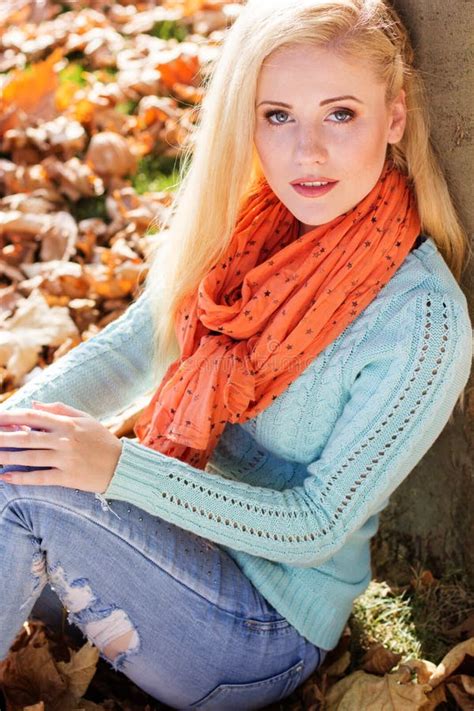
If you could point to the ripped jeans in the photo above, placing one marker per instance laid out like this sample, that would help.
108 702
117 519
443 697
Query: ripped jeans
169 609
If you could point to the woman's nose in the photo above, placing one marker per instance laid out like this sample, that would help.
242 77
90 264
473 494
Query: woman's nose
311 147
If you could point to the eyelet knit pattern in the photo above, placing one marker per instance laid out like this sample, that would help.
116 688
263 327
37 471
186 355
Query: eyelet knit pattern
337 491
294 494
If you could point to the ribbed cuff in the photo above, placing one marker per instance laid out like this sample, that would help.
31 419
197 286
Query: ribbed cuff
133 483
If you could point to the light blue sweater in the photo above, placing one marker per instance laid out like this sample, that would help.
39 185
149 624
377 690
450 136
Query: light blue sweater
294 494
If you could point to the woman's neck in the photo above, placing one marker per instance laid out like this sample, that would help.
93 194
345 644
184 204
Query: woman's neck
303 229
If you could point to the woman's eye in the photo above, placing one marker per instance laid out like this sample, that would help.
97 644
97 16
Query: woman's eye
344 113
275 112
278 117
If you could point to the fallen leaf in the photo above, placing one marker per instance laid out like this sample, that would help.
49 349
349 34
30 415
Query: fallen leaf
462 652
29 674
32 326
186 7
462 689
434 698
339 666
31 91
390 692
109 154
74 178
80 670
180 64
423 669
61 278
379 660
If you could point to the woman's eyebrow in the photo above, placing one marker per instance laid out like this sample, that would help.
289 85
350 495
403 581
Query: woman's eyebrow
322 103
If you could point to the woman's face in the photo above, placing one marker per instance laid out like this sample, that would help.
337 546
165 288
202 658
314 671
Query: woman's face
321 117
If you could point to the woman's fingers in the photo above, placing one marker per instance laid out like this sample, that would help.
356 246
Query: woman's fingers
59 408
35 478
73 443
30 458
32 418
25 438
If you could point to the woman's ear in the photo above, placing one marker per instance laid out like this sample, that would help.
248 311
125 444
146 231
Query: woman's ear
398 118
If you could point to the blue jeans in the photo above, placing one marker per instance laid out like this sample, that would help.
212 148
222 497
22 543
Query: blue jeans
169 609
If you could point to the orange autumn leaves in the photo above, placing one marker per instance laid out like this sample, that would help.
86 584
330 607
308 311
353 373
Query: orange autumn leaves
30 91
74 230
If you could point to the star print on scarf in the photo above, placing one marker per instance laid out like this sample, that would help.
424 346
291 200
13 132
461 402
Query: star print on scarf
273 302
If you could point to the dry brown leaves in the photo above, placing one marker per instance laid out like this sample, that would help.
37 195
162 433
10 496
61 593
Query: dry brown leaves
32 678
44 672
384 684
66 139
48 671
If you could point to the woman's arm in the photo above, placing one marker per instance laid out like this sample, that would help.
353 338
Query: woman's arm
101 375
399 404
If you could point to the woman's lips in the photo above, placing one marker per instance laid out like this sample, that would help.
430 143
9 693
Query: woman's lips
313 191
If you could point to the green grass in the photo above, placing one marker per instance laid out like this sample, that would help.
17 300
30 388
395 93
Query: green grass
144 184
74 73
89 207
126 107
169 29
156 173
380 615
412 621
64 7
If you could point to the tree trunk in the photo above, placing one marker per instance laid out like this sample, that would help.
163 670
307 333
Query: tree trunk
430 517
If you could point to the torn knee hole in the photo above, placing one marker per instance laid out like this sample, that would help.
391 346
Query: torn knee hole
38 567
106 626
121 644
39 577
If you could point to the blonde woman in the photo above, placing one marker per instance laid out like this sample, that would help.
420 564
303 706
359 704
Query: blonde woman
304 338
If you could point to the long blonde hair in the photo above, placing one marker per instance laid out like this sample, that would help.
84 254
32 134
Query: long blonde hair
220 163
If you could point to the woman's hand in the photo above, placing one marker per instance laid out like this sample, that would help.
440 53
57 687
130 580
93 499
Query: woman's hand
83 453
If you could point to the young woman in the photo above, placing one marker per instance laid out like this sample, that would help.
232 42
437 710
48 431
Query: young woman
305 339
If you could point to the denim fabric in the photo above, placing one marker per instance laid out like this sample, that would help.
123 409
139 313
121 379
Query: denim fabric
189 627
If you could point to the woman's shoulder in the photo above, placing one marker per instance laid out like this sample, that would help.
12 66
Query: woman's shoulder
427 269
423 270
423 280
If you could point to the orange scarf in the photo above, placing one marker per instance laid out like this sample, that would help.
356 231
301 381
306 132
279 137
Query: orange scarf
269 307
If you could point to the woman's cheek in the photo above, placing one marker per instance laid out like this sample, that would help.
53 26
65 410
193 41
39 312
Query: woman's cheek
370 140
261 144
354 138
272 151
268 139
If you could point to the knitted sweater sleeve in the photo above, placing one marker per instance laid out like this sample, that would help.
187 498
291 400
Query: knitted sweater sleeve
400 401
101 375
